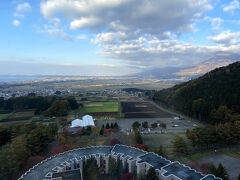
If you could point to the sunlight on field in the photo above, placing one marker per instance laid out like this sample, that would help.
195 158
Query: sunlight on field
95 107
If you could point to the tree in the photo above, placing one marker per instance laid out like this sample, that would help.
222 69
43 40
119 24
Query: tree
115 126
113 168
14 156
145 124
154 125
101 132
221 172
60 149
72 103
135 125
96 130
161 151
179 145
33 160
127 176
111 126
114 141
151 174
38 139
212 169
138 137
163 125
90 170
58 108
141 146
58 93
5 135
107 126
61 139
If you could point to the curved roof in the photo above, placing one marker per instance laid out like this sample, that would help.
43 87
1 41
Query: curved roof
48 166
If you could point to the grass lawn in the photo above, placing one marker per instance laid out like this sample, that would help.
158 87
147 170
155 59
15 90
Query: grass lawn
2 116
153 141
22 114
94 107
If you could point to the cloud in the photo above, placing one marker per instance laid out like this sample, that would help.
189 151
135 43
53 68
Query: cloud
55 30
226 38
81 37
152 52
140 33
232 6
21 9
141 16
215 22
16 23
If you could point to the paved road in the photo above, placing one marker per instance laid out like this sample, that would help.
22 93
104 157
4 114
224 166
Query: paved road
231 164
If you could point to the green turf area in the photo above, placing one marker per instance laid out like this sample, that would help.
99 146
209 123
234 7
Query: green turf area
153 141
22 114
2 116
94 107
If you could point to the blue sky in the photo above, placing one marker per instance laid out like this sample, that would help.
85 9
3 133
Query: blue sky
113 37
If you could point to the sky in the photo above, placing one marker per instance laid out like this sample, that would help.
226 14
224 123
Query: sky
113 37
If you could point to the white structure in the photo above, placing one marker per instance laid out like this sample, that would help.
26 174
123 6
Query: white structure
87 121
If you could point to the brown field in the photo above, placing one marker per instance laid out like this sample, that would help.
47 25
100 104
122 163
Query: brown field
137 109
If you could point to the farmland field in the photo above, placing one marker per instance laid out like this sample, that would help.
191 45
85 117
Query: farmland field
101 110
3 116
139 109
94 107
17 116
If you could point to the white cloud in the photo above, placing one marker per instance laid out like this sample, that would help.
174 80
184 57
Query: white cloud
16 23
215 22
142 33
55 30
81 37
232 6
21 9
143 16
226 38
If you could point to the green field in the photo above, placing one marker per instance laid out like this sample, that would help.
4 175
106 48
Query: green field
155 140
95 107
22 114
2 116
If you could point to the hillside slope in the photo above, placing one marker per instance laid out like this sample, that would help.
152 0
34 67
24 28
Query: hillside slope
214 97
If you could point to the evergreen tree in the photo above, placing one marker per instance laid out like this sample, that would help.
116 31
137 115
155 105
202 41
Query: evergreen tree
113 168
151 174
111 126
221 172
138 137
107 126
101 131
179 145
115 126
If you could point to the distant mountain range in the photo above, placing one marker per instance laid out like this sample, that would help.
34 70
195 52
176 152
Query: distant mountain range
219 59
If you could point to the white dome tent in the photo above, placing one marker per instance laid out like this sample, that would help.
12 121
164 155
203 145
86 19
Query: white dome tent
87 121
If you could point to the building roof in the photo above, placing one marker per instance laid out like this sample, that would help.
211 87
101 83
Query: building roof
132 152
87 121
153 159
46 167
68 175
181 171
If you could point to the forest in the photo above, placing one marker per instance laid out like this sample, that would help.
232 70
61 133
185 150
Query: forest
213 98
